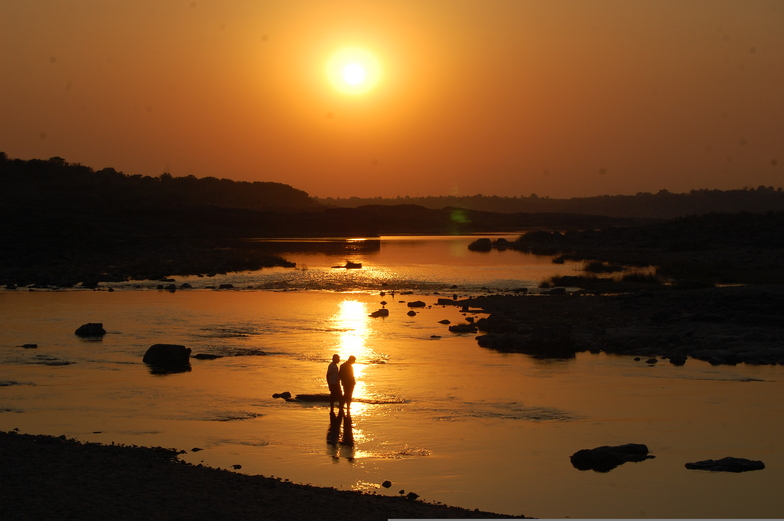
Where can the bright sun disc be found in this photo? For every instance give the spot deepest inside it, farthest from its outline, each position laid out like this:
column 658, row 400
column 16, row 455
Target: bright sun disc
column 354, row 74
column 353, row 71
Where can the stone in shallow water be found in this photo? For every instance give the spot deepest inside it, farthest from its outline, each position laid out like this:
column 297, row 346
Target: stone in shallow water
column 90, row 330
column 728, row 464
column 168, row 357
column 606, row 458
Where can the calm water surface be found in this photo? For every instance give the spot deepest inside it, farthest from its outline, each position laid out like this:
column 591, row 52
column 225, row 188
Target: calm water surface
column 456, row 423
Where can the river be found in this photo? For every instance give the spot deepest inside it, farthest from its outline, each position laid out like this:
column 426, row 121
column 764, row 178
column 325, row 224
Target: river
column 439, row 415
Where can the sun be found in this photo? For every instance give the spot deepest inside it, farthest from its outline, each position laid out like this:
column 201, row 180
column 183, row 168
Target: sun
column 353, row 71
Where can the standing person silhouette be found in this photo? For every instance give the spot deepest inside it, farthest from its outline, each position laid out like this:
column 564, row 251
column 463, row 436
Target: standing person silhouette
column 333, row 381
column 347, row 379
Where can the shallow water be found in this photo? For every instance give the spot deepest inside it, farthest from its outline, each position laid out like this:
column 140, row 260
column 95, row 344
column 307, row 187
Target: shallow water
column 458, row 423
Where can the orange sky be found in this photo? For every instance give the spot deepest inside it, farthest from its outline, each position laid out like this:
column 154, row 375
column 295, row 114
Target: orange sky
column 558, row 98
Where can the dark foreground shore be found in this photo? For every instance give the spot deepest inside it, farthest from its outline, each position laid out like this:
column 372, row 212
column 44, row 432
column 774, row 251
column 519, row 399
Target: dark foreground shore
column 45, row 477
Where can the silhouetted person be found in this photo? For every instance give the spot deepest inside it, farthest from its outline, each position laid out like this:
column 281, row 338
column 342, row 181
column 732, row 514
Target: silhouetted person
column 347, row 379
column 333, row 381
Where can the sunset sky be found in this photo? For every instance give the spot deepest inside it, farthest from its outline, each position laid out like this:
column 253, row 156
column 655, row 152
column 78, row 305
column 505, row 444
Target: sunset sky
column 499, row 97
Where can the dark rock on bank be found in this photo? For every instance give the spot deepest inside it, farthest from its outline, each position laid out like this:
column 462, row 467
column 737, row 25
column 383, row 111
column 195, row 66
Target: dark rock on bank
column 168, row 358
column 90, row 330
column 728, row 464
column 606, row 458
column 678, row 359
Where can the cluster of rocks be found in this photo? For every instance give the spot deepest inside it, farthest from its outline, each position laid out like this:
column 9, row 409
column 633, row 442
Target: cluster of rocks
column 162, row 358
column 607, row 457
column 720, row 325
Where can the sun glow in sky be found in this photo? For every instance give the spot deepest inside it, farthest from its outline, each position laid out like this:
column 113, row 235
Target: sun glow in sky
column 499, row 97
column 353, row 71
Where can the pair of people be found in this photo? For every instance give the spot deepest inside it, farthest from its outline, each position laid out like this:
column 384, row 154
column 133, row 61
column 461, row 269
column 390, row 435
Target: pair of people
column 337, row 376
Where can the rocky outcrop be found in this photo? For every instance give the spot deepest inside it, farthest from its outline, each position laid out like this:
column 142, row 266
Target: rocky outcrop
column 463, row 328
column 542, row 342
column 606, row 457
column 728, row 464
column 416, row 304
column 168, row 358
column 481, row 245
column 383, row 312
column 93, row 329
column 724, row 325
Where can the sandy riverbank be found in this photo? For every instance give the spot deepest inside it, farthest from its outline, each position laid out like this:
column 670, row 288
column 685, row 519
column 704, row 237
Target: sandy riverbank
column 48, row 477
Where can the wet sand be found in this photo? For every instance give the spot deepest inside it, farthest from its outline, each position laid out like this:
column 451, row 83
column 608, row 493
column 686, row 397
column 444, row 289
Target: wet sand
column 47, row 477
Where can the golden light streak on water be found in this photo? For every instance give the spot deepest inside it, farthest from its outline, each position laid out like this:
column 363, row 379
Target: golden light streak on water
column 352, row 321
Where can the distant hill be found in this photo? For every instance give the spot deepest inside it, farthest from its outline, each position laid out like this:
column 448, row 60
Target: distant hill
column 61, row 223
column 56, row 182
column 662, row 205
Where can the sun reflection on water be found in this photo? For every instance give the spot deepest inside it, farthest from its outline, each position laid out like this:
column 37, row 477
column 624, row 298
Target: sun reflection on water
column 353, row 323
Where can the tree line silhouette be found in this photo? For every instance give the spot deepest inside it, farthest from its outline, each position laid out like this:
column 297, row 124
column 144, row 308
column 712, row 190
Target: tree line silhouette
column 70, row 184
column 62, row 224
column 661, row 205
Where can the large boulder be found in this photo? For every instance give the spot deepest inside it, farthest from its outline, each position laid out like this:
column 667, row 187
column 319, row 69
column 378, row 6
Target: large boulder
column 90, row 330
column 168, row 358
column 728, row 464
column 606, row 457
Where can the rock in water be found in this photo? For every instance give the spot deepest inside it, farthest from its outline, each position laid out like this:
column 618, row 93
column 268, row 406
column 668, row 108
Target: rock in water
column 168, row 357
column 606, row 458
column 481, row 245
column 728, row 464
column 91, row 329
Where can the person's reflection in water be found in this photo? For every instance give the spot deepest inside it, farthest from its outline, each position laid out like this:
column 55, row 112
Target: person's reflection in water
column 347, row 441
column 333, row 433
